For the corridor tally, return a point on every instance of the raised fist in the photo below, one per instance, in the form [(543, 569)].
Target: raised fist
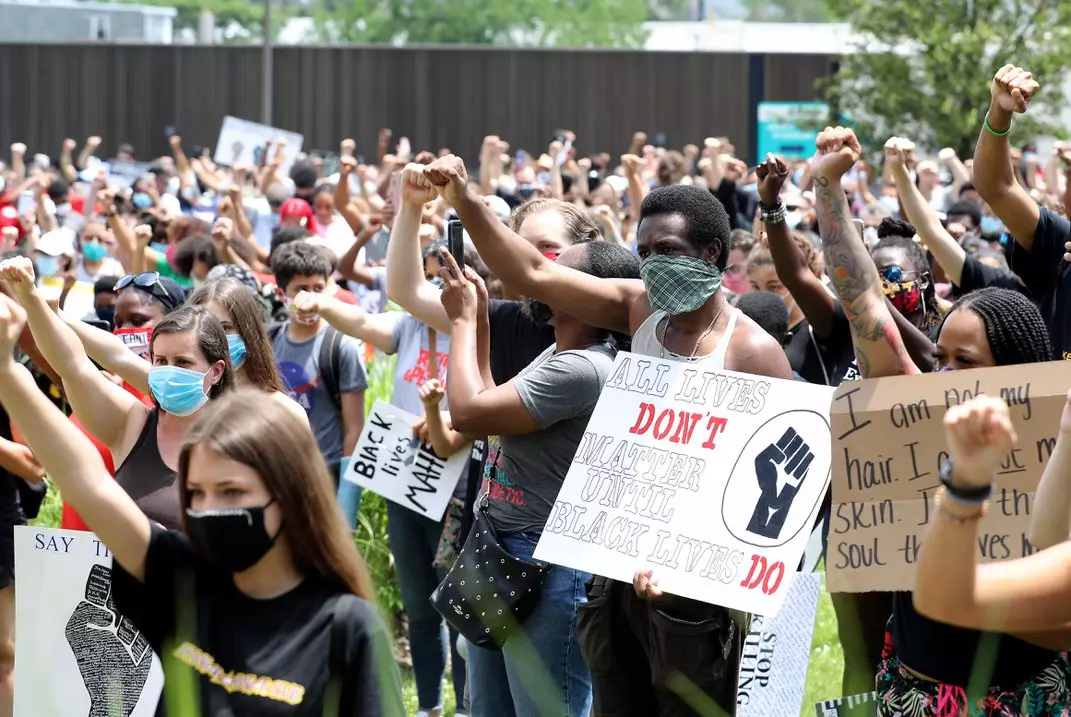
[(18, 273), (1013, 88), (448, 176), (348, 146), (113, 657), (631, 163), (416, 187), (838, 151), (69, 145), (93, 142), (897, 151), (18, 149)]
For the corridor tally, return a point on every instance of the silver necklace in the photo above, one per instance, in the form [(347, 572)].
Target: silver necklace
[(665, 330)]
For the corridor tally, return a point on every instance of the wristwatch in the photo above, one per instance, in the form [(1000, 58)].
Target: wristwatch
[(975, 494)]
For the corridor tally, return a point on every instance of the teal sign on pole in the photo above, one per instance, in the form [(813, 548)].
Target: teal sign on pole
[(789, 128)]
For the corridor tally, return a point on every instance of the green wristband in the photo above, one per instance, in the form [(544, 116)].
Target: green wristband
[(992, 131)]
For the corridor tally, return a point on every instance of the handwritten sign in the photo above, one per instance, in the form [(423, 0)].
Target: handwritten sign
[(243, 142), (710, 478), (777, 650), (888, 449), (389, 461), (77, 654)]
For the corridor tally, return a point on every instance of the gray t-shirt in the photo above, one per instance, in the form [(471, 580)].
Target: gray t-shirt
[(523, 474), (299, 366), (413, 367), (375, 250)]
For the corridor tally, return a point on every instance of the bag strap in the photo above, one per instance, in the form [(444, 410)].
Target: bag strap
[(336, 693), (433, 354), (330, 358), (274, 329)]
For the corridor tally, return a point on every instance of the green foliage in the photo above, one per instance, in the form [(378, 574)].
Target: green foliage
[(544, 23), (934, 86), (247, 13), (51, 509), (789, 11)]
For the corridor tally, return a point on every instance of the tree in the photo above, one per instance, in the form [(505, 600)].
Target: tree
[(923, 70), (789, 11), (543, 23), (247, 14)]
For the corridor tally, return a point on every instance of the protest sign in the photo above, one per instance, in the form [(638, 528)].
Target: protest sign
[(889, 446), (243, 142), (846, 706), (389, 461), (77, 654), (79, 299), (777, 650), (710, 478)]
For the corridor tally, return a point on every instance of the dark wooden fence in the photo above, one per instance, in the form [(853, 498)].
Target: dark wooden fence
[(437, 96)]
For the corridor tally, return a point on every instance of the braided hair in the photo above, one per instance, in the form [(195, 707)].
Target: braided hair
[(889, 236), (1013, 325)]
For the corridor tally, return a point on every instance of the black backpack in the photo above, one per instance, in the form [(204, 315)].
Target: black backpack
[(330, 359)]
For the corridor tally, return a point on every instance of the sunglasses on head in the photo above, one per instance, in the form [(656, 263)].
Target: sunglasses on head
[(149, 282)]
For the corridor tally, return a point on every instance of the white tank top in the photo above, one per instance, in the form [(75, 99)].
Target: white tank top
[(645, 341)]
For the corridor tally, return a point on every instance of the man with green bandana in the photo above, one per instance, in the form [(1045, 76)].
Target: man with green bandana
[(676, 312)]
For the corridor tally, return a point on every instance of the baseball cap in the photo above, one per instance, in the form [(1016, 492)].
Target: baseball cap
[(58, 242)]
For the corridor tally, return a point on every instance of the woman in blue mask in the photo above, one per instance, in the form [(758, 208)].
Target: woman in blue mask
[(269, 573), (94, 262), (191, 364)]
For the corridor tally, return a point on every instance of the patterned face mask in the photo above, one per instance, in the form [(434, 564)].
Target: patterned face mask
[(679, 284), (906, 296)]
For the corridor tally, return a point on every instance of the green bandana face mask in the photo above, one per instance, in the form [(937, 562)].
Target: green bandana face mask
[(679, 284)]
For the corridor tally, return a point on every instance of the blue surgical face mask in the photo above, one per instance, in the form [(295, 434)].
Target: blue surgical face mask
[(94, 251), (159, 247), (47, 265), (237, 349), (106, 313), (179, 391)]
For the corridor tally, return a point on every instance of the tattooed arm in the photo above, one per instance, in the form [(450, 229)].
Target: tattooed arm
[(879, 347)]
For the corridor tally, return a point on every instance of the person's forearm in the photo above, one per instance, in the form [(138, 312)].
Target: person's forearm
[(64, 293), (946, 250), (140, 263), (67, 165), (28, 346), (1067, 186), (637, 192), (483, 349), (57, 341), (88, 151), (1050, 523), (351, 435), (463, 381), (18, 165), (510, 258), (487, 175), (993, 171), (110, 352), (879, 348), (17, 459), (947, 564), (353, 321), (557, 186), (813, 299), (45, 219), (445, 441), (406, 285), (347, 264), (917, 344)]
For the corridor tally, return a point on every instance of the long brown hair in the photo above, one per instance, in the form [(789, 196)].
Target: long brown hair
[(211, 339), (578, 225), (237, 300), (247, 426)]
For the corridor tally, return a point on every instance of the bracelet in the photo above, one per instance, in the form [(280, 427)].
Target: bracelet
[(963, 495), (983, 508), (989, 127), (772, 215)]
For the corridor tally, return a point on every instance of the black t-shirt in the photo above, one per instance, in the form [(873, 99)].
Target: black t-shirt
[(976, 275), (1048, 277), (823, 361), (248, 657), (516, 340), (946, 653)]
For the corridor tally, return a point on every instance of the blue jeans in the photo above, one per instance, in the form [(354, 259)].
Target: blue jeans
[(414, 540), (540, 671)]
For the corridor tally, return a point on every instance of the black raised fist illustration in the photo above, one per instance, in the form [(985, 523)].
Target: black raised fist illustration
[(780, 469), (113, 657)]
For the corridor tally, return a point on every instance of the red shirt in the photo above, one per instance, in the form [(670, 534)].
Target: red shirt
[(71, 520)]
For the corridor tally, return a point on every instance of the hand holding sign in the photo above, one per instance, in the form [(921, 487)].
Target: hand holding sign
[(779, 470), (113, 657)]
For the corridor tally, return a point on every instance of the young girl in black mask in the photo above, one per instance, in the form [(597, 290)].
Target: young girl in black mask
[(264, 610)]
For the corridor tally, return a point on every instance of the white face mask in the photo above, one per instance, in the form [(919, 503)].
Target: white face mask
[(793, 219)]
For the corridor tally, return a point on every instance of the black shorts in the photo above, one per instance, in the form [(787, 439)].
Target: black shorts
[(8, 520)]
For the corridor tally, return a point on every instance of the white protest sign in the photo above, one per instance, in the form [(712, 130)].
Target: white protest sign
[(242, 142), (850, 706), (389, 461), (79, 299), (713, 479), (76, 654), (773, 666)]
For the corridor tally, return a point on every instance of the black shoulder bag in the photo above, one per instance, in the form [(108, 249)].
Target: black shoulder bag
[(488, 592)]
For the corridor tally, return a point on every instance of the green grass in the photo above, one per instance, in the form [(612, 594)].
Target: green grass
[(827, 660)]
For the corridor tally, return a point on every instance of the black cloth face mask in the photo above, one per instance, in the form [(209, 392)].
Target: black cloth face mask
[(234, 539)]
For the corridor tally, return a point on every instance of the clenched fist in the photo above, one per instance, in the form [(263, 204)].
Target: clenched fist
[(1013, 88), (448, 176), (838, 151)]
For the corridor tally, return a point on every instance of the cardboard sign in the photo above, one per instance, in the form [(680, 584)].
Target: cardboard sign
[(79, 299), (76, 654), (888, 449), (242, 142), (711, 478), (389, 461), (846, 706), (777, 650)]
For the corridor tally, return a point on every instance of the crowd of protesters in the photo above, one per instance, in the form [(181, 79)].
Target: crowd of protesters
[(184, 353)]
